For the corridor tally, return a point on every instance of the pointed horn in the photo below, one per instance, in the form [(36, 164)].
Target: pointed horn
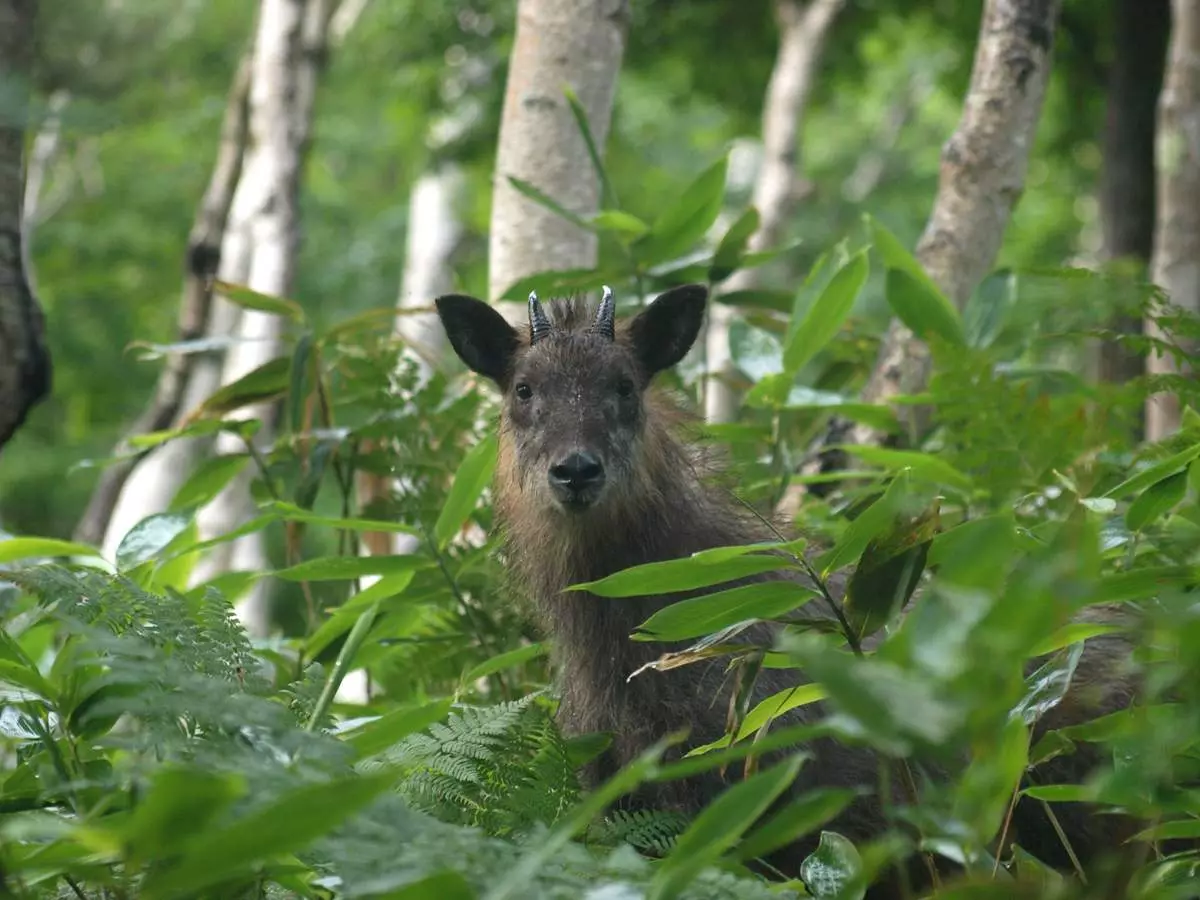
[(605, 315), (539, 325)]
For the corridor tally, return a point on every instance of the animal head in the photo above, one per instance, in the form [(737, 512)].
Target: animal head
[(576, 419)]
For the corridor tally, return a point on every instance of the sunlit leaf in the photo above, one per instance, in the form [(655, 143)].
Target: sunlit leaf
[(338, 568), (242, 296), (268, 382), (14, 549), (149, 537), (674, 575)]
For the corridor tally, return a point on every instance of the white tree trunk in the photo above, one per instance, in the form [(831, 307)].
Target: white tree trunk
[(982, 176), (1175, 265), (802, 32), (558, 42), (282, 94)]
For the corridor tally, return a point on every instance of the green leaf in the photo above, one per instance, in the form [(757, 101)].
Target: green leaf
[(889, 704), (800, 817), (1142, 583), (925, 311), (240, 295), (832, 867), (719, 826), (608, 195), (180, 804), (268, 382), (711, 612), (338, 568), (729, 252), (14, 549), (825, 317), (1155, 473), (207, 480), (344, 616), (680, 226), (150, 537), (445, 885), (502, 661), (888, 572), (987, 308), (388, 730), (544, 200), (765, 298), (621, 223), (923, 466), (873, 520), (675, 575), (472, 477), (285, 825), (290, 512), (777, 704), (297, 378), (1155, 501), (982, 794)]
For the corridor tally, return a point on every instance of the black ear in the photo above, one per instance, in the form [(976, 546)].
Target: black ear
[(480, 336), (664, 331)]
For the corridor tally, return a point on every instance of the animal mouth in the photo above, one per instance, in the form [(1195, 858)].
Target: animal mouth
[(576, 501)]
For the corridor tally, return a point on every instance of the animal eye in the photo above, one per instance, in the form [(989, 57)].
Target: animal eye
[(524, 391), (625, 388)]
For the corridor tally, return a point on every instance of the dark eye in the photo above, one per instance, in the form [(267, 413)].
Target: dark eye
[(624, 388), (524, 391)]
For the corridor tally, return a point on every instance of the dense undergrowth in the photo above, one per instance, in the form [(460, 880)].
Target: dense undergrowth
[(151, 750)]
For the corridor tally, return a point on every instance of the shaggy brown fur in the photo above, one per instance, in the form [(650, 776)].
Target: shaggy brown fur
[(660, 501)]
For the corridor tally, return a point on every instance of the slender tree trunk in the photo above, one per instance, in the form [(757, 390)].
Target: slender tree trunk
[(1127, 178), (25, 370), (558, 42), (289, 52), (802, 31), (982, 176), (128, 491), (1176, 260)]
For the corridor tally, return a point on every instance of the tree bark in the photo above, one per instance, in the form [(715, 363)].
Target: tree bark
[(802, 31), (1127, 190), (982, 175), (1176, 261), (558, 42), (112, 511), (25, 368), (289, 52)]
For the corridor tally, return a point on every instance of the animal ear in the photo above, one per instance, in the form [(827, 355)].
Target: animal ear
[(480, 336), (664, 331)]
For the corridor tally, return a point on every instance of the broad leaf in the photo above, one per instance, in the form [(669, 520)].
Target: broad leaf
[(684, 223), (674, 575), (240, 295), (729, 252), (925, 311), (268, 382), (825, 317), (14, 549), (388, 730), (831, 868), (150, 537), (712, 612), (719, 826), (207, 480), (472, 477), (799, 818), (1155, 501)]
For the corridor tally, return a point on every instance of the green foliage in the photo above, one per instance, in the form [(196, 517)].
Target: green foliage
[(149, 748)]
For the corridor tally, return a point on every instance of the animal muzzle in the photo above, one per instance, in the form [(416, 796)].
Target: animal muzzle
[(577, 480)]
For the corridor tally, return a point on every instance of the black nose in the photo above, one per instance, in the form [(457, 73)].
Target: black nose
[(576, 473)]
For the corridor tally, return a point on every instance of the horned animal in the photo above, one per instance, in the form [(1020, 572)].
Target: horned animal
[(597, 471)]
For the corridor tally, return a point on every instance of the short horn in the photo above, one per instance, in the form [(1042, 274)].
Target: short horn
[(539, 325), (606, 315)]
